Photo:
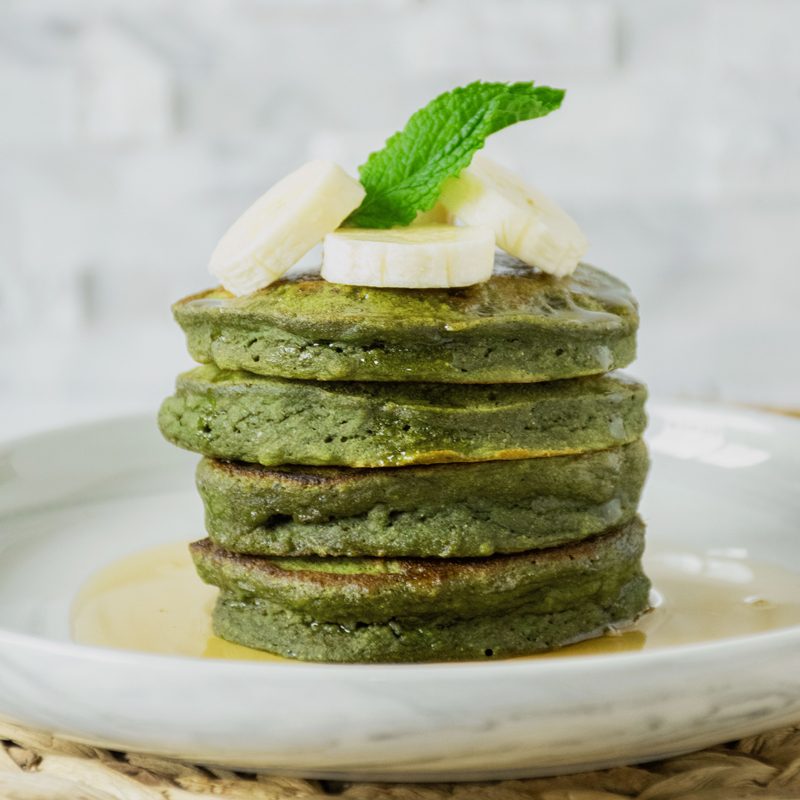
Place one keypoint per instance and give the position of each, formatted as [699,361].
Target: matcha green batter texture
[402,475]
[443,510]
[520,326]
[399,610]
[273,421]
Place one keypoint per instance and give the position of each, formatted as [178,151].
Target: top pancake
[521,326]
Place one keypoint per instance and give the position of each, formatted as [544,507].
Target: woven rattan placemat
[35,766]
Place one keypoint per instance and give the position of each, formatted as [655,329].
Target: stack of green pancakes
[416,474]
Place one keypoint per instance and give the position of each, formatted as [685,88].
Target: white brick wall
[126,93]
[131,134]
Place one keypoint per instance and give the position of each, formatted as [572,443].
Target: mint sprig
[438,141]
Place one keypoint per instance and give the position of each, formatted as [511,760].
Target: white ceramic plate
[75,500]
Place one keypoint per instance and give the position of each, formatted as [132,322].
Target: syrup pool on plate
[154,602]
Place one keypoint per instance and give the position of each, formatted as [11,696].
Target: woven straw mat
[35,766]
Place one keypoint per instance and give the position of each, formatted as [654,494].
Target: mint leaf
[439,140]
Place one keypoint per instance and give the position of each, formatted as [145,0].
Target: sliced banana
[437,214]
[526,224]
[283,225]
[416,257]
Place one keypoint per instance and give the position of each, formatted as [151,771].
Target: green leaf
[439,140]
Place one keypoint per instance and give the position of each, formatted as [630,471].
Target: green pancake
[520,326]
[273,421]
[443,510]
[387,610]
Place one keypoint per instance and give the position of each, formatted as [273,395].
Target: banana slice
[283,225]
[416,257]
[527,224]
[438,214]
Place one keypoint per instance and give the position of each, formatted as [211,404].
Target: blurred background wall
[133,133]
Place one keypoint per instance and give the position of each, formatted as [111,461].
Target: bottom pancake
[404,610]
[522,631]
